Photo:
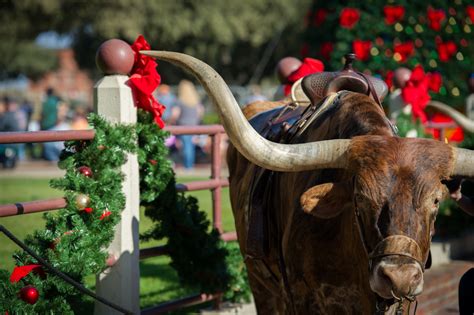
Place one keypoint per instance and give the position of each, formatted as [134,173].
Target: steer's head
[394,193]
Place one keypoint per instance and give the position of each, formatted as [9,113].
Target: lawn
[158,281]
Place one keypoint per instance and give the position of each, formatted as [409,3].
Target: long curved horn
[464,122]
[463,163]
[267,154]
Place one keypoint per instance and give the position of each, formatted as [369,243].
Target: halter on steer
[389,247]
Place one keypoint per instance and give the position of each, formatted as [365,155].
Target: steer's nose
[403,280]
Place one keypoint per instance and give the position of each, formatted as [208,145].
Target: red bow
[309,66]
[446,50]
[393,13]
[22,271]
[349,17]
[362,49]
[404,49]
[435,17]
[470,12]
[144,80]
[415,93]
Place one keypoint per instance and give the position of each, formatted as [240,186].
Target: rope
[62,275]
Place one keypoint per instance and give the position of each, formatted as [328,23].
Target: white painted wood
[121,283]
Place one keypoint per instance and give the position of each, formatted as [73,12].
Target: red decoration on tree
[470,12]
[22,271]
[389,79]
[106,213]
[415,93]
[144,80]
[88,209]
[29,294]
[435,17]
[326,50]
[393,13]
[349,17]
[446,50]
[319,17]
[404,49]
[309,66]
[152,162]
[435,81]
[362,49]
[84,170]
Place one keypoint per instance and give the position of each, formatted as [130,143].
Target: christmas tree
[387,35]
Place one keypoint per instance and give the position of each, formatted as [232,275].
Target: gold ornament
[82,201]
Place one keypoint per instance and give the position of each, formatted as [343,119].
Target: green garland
[70,234]
[202,260]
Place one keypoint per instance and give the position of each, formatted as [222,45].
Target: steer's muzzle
[396,277]
[396,268]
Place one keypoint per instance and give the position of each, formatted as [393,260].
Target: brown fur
[395,184]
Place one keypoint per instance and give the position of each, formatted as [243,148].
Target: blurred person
[395,101]
[187,112]
[52,150]
[11,119]
[79,119]
[167,98]
[466,283]
[49,110]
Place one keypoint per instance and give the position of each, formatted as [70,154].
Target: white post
[121,283]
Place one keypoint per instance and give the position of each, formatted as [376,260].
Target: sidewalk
[45,169]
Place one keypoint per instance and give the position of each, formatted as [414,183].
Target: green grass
[158,281]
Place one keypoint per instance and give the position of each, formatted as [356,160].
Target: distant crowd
[55,114]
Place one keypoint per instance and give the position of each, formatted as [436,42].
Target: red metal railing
[215,184]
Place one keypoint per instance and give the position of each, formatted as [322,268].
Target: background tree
[386,35]
[232,36]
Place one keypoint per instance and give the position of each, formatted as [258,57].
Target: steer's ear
[327,200]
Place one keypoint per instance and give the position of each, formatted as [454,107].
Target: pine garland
[70,235]
[202,260]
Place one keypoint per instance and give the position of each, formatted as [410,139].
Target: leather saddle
[319,85]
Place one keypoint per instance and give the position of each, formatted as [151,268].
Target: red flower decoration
[416,93]
[309,66]
[144,80]
[405,50]
[362,49]
[435,81]
[389,79]
[470,12]
[88,209]
[446,50]
[349,17]
[326,50]
[22,271]
[105,214]
[435,17]
[393,13]
[319,17]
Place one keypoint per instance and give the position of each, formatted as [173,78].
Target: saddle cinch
[319,91]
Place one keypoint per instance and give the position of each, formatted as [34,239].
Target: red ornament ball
[86,171]
[29,294]
[115,57]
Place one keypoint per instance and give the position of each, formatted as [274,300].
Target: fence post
[113,100]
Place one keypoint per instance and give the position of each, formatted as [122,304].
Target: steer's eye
[436,201]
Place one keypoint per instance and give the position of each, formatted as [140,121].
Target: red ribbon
[22,271]
[144,79]
[393,13]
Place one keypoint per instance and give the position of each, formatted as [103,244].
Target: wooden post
[120,283]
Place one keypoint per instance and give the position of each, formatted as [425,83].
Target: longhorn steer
[352,206]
